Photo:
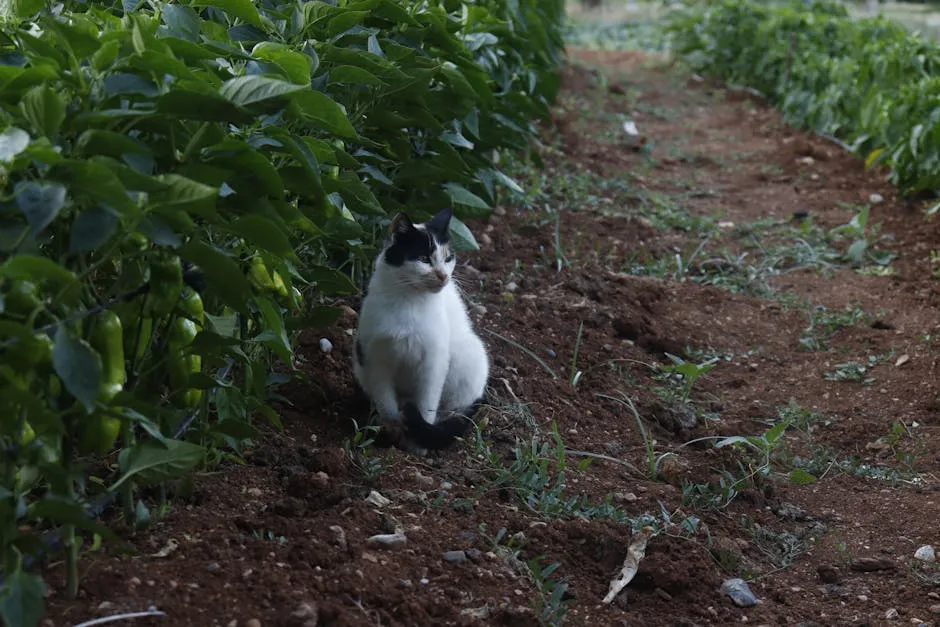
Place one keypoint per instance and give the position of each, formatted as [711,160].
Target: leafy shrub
[185,186]
[869,82]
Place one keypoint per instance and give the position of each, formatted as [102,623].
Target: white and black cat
[416,354]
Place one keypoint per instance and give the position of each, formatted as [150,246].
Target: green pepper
[296,298]
[107,338]
[181,365]
[135,324]
[259,276]
[135,243]
[31,353]
[98,433]
[22,298]
[192,306]
[279,286]
[166,283]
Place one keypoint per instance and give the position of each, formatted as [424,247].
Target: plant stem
[68,531]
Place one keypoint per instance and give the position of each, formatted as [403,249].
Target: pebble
[308,613]
[255,492]
[933,595]
[105,606]
[739,592]
[474,555]
[447,485]
[480,310]
[512,286]
[891,614]
[253,622]
[455,557]
[213,567]
[326,346]
[377,500]
[405,583]
[876,199]
[925,554]
[629,497]
[339,536]
[389,541]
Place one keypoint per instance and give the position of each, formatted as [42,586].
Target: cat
[417,356]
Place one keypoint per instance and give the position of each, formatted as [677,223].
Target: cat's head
[419,255]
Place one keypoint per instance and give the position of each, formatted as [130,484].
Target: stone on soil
[739,592]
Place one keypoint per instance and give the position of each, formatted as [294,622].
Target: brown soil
[289,527]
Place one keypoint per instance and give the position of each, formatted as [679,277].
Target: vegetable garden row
[185,184]
[869,82]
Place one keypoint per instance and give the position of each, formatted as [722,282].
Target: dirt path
[604,273]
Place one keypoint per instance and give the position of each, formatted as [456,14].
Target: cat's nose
[440,275]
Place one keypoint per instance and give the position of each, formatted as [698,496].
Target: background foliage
[869,82]
[185,184]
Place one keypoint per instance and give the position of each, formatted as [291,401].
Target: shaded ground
[714,235]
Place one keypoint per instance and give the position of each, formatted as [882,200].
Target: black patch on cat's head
[439,225]
[408,242]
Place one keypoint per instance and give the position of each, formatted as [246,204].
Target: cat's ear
[400,225]
[440,225]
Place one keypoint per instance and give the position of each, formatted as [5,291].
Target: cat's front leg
[430,388]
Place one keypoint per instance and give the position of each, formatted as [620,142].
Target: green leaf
[247,90]
[460,195]
[102,142]
[186,194]
[242,9]
[352,75]
[356,194]
[274,328]
[265,233]
[801,477]
[21,599]
[296,65]
[91,229]
[150,462]
[44,108]
[35,268]
[71,513]
[13,141]
[79,367]
[40,203]
[330,281]
[188,104]
[461,237]
[325,112]
[223,275]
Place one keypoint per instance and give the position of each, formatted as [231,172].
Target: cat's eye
[449,258]
[424,259]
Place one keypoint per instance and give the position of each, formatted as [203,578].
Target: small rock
[106,606]
[518,538]
[377,500]
[474,555]
[424,480]
[388,541]
[308,613]
[405,584]
[871,564]
[255,492]
[512,286]
[863,598]
[339,536]
[933,595]
[891,614]
[253,622]
[320,479]
[629,497]
[455,557]
[925,554]
[479,310]
[876,199]
[213,567]
[739,592]
[447,485]
[326,346]
[479,613]
[134,581]
[485,240]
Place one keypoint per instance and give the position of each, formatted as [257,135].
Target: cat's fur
[416,354]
